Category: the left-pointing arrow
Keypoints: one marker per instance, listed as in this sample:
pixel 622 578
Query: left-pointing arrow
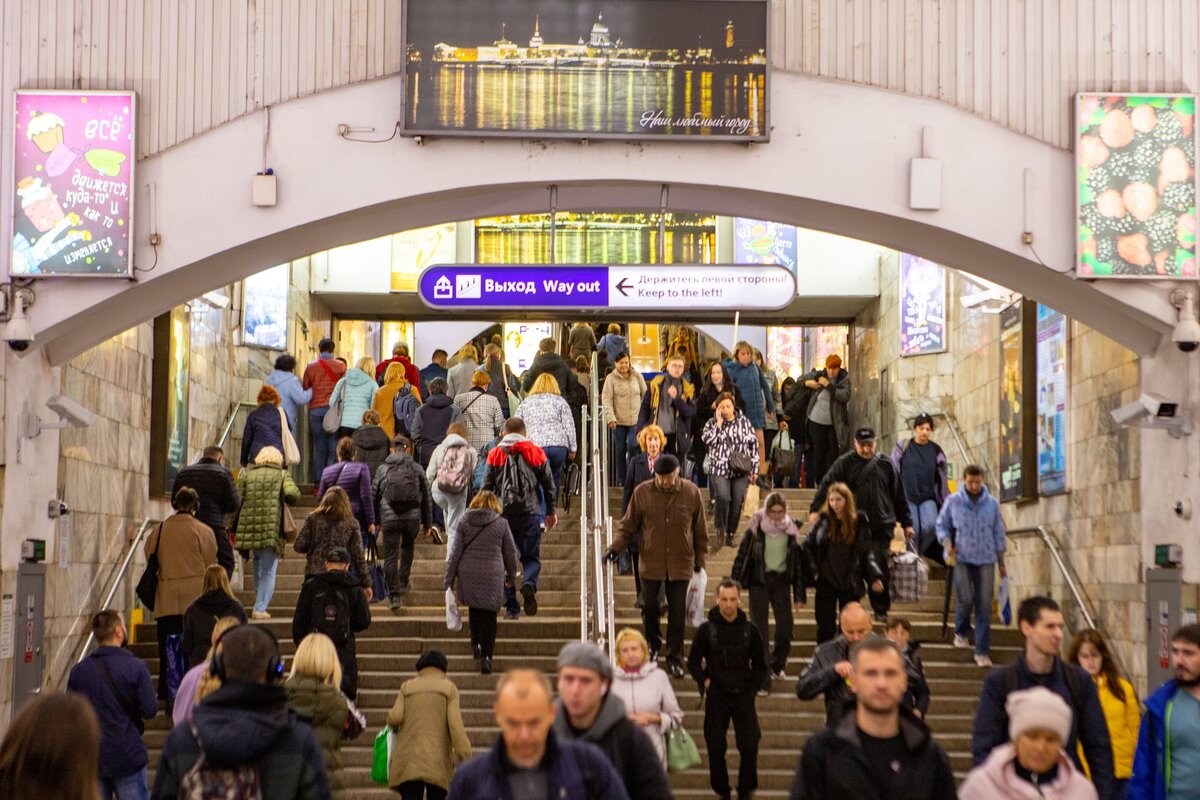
pixel 622 286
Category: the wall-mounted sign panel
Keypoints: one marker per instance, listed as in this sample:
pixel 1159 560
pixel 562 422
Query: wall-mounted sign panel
pixel 621 69
pixel 757 241
pixel 1136 185
pixel 265 313
pixel 72 184
pixel 701 288
pixel 922 306
pixel 1051 401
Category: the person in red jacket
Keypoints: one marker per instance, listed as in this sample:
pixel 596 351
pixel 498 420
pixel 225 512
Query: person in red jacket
pixel 399 356
pixel 321 376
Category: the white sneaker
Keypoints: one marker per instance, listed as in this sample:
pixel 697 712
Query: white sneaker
pixel 982 660
pixel 961 642
pixel 260 615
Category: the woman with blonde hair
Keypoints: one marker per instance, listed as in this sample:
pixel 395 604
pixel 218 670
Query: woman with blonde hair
pixel 550 425
pixel 458 378
pixel 332 524
pixel 258 527
pixel 199 681
pixel 480 410
pixel 837 559
pixel 312 690
pixel 264 426
pixel 645 690
pixel 52 749
pixel 218 600
pixel 479 574
pixel 356 391
pixel 395 385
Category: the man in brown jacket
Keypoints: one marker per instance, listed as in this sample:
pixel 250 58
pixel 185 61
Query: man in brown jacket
pixel 669 512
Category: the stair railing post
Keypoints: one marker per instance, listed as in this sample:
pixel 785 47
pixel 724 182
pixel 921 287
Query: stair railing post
pixel 584 611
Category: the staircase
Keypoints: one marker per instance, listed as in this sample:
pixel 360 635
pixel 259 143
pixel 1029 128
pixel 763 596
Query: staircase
pixel 388 650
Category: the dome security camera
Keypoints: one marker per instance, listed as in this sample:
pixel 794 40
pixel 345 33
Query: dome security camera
pixel 18 332
pixel 1186 335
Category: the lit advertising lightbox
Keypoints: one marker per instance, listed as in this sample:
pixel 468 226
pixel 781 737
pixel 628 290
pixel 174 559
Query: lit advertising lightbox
pixel 922 306
pixel 1051 401
pixel 693 70
pixel 758 241
pixel 265 302
pixel 521 343
pixel 1136 185
pixel 413 251
pixel 72 184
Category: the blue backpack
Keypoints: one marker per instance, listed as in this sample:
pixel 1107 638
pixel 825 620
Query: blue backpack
pixel 404 409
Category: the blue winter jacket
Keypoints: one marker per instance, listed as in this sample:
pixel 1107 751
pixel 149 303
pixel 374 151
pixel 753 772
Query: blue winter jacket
pixel 754 388
pixel 262 430
pixel 291 394
pixel 1153 749
pixel 575 770
pixel 975 526
pixel 122 751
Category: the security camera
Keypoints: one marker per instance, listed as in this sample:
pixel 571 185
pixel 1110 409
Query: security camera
pixel 67 409
pixel 1186 335
pixel 18 333
pixel 1147 407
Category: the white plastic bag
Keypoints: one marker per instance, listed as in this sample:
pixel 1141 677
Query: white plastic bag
pixel 453 617
pixel 1005 600
pixel 697 586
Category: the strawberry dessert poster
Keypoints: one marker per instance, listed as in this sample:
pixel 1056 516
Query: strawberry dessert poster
pixel 72 183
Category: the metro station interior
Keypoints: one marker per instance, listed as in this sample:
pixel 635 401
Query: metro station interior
pixel 970 307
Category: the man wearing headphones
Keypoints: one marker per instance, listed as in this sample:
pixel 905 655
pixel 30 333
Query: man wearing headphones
pixel 244 733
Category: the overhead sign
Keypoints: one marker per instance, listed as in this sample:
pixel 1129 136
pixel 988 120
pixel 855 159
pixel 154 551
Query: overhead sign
pixel 685 288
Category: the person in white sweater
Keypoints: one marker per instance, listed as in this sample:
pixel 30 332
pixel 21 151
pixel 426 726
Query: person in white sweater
pixel 645 690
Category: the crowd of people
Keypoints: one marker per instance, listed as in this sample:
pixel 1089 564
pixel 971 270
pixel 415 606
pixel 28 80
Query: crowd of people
pixel 480 460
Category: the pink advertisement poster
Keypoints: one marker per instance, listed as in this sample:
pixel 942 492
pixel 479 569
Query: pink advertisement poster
pixel 72 183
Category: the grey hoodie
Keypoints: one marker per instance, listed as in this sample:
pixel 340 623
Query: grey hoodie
pixel 626 745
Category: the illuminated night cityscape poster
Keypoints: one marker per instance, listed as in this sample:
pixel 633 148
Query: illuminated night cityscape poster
pixel 619 69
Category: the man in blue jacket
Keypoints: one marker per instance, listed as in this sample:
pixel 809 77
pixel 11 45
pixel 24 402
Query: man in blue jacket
pixel 118 685
pixel 1041 623
pixel 1166 765
pixel 971 530
pixel 529 760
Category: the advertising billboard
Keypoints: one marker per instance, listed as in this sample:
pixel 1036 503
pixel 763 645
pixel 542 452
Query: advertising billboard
pixel 413 251
pixel 1136 185
pixel 757 241
pixel 693 70
pixel 521 343
pixel 265 303
pixel 1012 403
pixel 71 184
pixel 922 306
pixel 1051 401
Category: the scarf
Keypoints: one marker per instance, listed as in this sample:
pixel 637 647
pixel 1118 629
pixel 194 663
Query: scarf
pixel 761 522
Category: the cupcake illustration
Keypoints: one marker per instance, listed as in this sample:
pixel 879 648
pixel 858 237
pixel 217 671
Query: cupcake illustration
pixel 39 203
pixel 45 131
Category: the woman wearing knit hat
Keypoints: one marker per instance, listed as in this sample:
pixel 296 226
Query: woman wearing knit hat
pixel 1033 765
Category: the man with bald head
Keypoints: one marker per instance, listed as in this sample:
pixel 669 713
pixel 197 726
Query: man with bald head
pixel 829 671
pixel 528 761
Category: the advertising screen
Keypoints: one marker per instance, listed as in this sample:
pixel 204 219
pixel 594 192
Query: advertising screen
pixel 1136 185
pixel 521 343
pixel 72 184
pixel 760 242
pixel 922 306
pixel 265 298
pixel 1051 401
pixel 621 69
pixel 1011 404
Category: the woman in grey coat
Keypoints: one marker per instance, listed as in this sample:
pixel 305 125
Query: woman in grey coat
pixel 483 560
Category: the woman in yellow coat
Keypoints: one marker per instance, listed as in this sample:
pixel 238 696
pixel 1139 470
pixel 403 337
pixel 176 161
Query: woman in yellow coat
pixel 1121 709
pixel 384 403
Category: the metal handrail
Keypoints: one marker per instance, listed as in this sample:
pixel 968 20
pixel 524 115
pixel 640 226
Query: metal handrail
pixel 134 544
pixel 952 423
pixel 584 611
pixel 232 419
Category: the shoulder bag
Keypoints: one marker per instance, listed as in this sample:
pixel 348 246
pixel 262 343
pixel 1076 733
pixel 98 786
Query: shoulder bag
pixel 333 414
pixel 682 753
pixel 287 523
pixel 147 585
pixel 291 451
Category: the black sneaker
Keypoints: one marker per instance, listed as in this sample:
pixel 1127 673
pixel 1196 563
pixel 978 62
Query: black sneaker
pixel 676 669
pixel 485 666
pixel 394 602
pixel 530 596
pixel 512 614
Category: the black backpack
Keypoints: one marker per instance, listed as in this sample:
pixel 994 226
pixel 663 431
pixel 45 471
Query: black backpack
pixel 330 613
pixel 513 484
pixel 402 487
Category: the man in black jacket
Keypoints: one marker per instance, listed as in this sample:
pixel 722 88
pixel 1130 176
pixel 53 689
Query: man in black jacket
pixel 400 522
pixel 879 494
pixel 247 722
pixel 587 711
pixel 729 662
pixel 516 485
pixel 549 361
pixel 218 497
pixel 333 602
pixel 881 750
pixel 830 667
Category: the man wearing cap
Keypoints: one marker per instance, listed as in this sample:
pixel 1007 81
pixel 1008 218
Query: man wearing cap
pixel 669 512
pixel 923 474
pixel 826 416
pixel 875 482
pixel 587 711
pixel 333 603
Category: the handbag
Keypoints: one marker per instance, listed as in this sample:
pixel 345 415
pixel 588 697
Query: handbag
pixel 783 455
pixel 147 585
pixel 287 523
pixel 453 615
pixel 176 665
pixel 333 415
pixel 682 753
pixel 740 464
pixel 381 755
pixel 910 576
pixel 379 587
pixel 291 451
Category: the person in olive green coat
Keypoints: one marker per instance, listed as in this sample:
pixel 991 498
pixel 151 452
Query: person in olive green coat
pixel 259 525
pixel 312 690
pixel 430 739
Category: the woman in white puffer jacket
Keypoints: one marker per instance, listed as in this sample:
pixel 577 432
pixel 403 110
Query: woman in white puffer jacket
pixel 645 690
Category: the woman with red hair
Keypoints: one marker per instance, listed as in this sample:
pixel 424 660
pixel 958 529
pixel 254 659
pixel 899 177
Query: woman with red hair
pixel 264 426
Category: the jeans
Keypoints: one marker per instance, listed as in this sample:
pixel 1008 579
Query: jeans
pixel 527 533
pixel 324 444
pixel 822 450
pixel 483 631
pixel 730 494
pixel 676 612
pixel 127 787
pixel 624 445
pixel 777 595
pixel 397 541
pixel 419 790
pixel 924 517
pixel 881 546
pixel 557 456
pixel 973 584
pixel 719 708
pixel 266 561
pixel 453 505
pixel 164 627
